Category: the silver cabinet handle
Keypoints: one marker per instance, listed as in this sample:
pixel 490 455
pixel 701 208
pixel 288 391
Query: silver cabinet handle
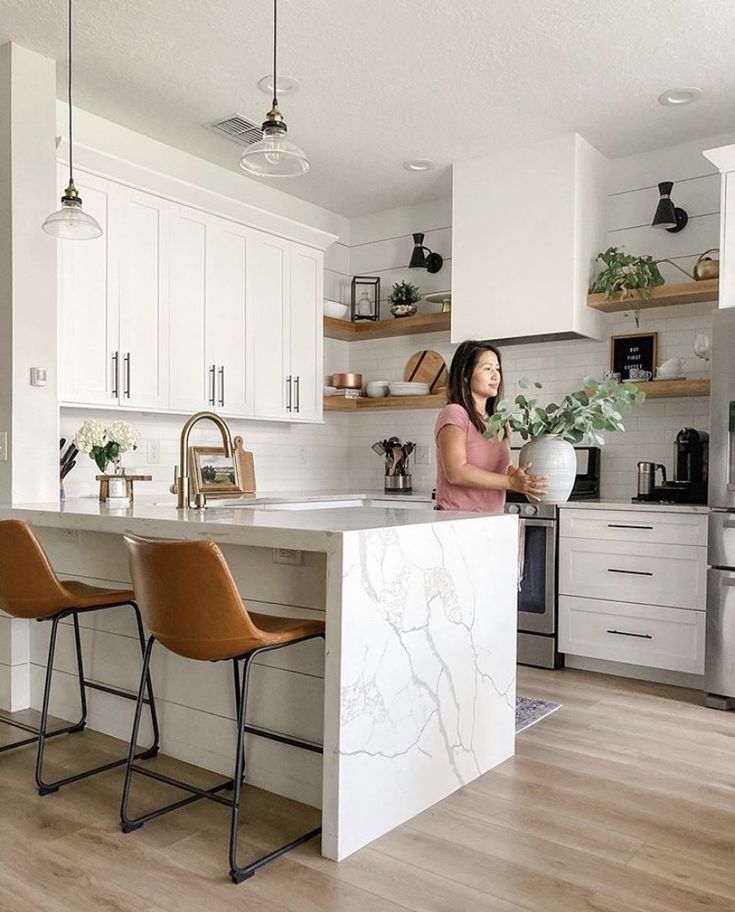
pixel 625 633
pixel 288 393
pixel 630 572
pixel 211 384
pixel 624 526
pixel 222 385
pixel 115 374
pixel 298 393
pixel 126 361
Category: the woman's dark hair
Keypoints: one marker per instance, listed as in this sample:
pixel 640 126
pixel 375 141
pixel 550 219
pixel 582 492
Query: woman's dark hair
pixel 459 388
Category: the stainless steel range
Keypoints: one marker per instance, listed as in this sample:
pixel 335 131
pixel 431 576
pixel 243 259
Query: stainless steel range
pixel 537 596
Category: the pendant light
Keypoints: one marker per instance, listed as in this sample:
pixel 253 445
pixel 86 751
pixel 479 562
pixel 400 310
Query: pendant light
pixel 71 222
pixel 274 155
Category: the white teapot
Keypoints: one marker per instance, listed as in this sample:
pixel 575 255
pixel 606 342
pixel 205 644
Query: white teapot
pixel 672 368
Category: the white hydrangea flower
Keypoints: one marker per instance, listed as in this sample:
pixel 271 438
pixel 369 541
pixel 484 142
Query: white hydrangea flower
pixel 124 435
pixel 90 434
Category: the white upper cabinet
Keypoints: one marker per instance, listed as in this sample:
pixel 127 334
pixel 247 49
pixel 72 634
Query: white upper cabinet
pixel 142 241
pixel 209 360
pixel 87 304
pixel 286 282
pixel 527 223
pixel 176 309
pixel 724 159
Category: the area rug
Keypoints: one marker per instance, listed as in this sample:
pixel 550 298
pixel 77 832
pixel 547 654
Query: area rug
pixel 530 711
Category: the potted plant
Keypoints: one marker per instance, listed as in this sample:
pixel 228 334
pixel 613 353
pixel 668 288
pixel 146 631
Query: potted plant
pixel 403 298
pixel 626 276
pixel 551 430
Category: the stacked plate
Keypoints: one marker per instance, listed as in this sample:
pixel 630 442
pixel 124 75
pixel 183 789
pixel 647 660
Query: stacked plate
pixel 404 388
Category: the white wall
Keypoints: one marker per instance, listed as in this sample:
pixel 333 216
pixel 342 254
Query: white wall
pixel 561 366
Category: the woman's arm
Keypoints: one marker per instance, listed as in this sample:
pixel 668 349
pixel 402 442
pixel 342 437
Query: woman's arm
pixel 452 445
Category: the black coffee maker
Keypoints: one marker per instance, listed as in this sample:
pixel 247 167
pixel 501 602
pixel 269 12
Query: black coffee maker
pixel 691 452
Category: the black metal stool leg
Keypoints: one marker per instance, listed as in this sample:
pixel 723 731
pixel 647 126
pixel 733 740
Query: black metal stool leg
pixel 242 707
pixel 153 750
pixel 80 669
pixel 126 823
pixel 44 788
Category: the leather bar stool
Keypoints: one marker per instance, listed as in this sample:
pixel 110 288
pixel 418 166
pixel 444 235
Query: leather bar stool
pixel 30 589
pixel 192 607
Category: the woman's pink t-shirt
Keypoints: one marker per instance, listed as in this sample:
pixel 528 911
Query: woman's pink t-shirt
pixel 493 455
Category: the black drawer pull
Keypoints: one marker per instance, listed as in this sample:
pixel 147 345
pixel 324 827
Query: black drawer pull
pixel 623 526
pixel 624 633
pixel 631 572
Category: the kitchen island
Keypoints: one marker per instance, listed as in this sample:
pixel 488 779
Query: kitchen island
pixel 414 696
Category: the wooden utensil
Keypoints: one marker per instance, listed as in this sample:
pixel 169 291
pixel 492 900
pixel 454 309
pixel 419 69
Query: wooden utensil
pixel 245 466
pixel 427 367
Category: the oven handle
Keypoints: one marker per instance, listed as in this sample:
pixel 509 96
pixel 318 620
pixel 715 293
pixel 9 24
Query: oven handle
pixel 549 523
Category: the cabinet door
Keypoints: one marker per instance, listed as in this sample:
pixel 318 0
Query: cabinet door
pixel 88 312
pixel 191 378
pixel 306 331
pixel 269 295
pixel 143 296
pixel 227 319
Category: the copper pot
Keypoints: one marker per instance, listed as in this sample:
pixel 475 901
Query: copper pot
pixel 347 381
pixel 707 268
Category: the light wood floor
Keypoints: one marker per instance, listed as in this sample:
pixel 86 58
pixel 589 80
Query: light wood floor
pixel 623 800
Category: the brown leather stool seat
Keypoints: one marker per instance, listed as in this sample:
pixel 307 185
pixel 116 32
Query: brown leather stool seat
pixel 191 606
pixel 30 589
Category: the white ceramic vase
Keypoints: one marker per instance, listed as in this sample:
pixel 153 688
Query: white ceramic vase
pixel 552 456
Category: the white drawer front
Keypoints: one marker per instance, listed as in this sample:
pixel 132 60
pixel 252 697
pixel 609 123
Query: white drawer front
pixel 634 526
pixel 648 635
pixel 673 575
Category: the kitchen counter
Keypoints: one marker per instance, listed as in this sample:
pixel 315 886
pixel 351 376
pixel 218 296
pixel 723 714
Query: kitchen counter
pixel 414 696
pixel 628 505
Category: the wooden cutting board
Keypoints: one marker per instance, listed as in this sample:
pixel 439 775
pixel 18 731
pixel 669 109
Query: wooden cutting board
pixel 245 466
pixel 427 367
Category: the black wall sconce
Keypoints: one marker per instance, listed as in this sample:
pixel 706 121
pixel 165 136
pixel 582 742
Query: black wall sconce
pixel 422 257
pixel 668 216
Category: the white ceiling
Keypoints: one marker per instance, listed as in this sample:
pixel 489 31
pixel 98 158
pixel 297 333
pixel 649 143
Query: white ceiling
pixel 387 80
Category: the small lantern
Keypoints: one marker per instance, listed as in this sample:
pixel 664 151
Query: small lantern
pixel 365 298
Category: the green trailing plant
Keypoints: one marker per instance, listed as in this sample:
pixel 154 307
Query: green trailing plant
pixel 626 276
pixel 404 293
pixel 598 407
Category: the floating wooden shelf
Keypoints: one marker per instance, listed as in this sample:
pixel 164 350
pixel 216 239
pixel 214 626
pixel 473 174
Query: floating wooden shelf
pixel 341 404
pixel 663 296
pixel 383 329
pixel 672 389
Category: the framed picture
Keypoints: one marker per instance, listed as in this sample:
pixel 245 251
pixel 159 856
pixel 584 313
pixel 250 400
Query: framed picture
pixel 637 353
pixel 213 473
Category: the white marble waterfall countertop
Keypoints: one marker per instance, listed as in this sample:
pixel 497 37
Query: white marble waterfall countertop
pixel 291 521
pixel 629 505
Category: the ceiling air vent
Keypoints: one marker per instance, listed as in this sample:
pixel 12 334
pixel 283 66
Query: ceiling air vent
pixel 237 128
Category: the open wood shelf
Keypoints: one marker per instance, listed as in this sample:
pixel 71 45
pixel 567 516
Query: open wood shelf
pixel 663 296
pixel 672 389
pixel 341 404
pixel 383 329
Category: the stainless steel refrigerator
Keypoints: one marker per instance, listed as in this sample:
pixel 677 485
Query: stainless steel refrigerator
pixel 719 672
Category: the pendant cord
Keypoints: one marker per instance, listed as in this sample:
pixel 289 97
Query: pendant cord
pixel 71 144
pixel 275 52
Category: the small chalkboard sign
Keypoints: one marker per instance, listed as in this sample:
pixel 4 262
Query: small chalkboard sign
pixel 637 351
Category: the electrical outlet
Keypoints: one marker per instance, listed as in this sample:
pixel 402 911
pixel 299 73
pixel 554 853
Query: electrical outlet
pixel 154 452
pixel 422 456
pixel 288 556
pixel 3 446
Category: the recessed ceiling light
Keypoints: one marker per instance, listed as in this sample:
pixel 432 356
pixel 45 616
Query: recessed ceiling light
pixel 287 85
pixel 419 164
pixel 680 96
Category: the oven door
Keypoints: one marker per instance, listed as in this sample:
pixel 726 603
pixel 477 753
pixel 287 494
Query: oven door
pixel 537 595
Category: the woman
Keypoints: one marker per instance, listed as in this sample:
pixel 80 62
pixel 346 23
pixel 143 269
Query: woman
pixel 474 473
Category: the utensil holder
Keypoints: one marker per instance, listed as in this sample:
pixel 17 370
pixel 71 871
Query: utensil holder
pixel 396 484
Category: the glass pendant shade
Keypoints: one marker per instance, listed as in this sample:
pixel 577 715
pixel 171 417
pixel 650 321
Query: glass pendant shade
pixel 274 156
pixel 71 222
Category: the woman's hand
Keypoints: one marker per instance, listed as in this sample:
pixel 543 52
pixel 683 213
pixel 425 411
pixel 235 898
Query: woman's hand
pixel 533 486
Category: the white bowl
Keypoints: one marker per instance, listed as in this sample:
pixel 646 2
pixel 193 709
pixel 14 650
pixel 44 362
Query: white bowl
pixel 335 309
pixel 377 389
pixel 405 388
